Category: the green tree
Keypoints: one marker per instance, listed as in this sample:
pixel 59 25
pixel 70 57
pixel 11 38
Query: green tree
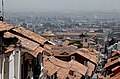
pixel 80 45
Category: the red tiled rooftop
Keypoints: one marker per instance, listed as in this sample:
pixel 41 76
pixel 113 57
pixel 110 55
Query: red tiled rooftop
pixel 58 66
pixel 5 27
pixel 30 45
pixel 87 54
pixel 111 63
pixel 91 68
pixel 115 53
pixel 30 35
pixel 67 33
pixel 117 76
pixel 27 44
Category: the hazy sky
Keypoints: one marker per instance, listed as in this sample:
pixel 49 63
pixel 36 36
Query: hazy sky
pixel 48 5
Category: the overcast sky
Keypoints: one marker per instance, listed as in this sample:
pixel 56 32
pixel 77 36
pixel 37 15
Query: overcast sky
pixel 58 5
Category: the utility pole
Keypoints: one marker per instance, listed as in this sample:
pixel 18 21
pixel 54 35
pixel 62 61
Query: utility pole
pixel 3 8
pixel 2 12
pixel 1 55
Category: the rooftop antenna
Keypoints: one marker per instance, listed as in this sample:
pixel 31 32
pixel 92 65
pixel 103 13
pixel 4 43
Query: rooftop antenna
pixel 2 12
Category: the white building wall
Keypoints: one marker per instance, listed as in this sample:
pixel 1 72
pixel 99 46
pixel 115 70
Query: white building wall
pixel 118 46
pixel 2 60
pixel 17 64
pixel 14 65
pixel 6 70
pixel 3 65
pixel 0 66
pixel 11 66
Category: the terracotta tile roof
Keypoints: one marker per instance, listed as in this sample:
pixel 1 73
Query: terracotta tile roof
pixel 30 45
pixel 91 68
pixel 88 56
pixel 84 49
pixel 78 76
pixel 47 46
pixel 92 52
pixel 37 51
pixel 115 68
pixel 59 50
pixel 117 76
pixel 111 63
pixel 91 42
pixel 5 27
pixel 62 73
pixel 112 58
pixel 30 35
pixel 107 77
pixel 69 51
pixel 55 65
pixel 71 77
pixel 33 47
pixel 55 52
pixel 73 47
pixel 115 52
pixel 66 74
pixel 59 62
pixel 67 33
pixel 58 47
pixel 66 52
pixel 75 76
pixel 9 35
pixel 75 66
pixel 95 51
pixel 81 28
pixel 85 44
pixel 94 33
pixel 65 43
pixel 49 67
pixel 89 50
pixel 55 47
pixel 10 48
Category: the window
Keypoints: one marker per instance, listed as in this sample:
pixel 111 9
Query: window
pixel 71 72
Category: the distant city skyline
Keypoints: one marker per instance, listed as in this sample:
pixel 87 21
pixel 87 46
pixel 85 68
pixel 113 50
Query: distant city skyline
pixel 61 5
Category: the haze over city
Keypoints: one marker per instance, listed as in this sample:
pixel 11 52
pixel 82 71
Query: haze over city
pixel 59 39
pixel 62 5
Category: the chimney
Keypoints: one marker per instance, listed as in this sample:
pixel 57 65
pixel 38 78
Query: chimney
pixel 73 58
